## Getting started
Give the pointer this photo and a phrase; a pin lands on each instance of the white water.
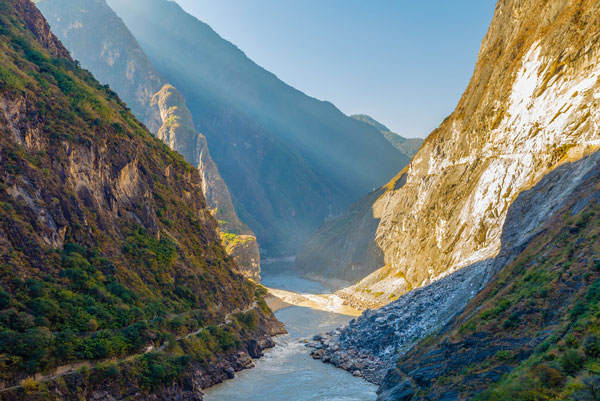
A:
(287, 372)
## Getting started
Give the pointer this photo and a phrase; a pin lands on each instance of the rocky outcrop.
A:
(373, 343)
(511, 340)
(178, 132)
(494, 177)
(39, 27)
(532, 104)
(98, 38)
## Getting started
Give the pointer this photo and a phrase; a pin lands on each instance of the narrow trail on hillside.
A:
(64, 370)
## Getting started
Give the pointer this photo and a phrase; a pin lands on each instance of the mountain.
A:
(290, 161)
(178, 132)
(407, 146)
(343, 248)
(490, 236)
(109, 250)
(532, 333)
(530, 106)
(99, 39)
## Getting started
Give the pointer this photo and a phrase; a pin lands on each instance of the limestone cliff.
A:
(532, 104)
(532, 332)
(97, 37)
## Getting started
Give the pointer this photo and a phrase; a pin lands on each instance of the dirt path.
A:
(65, 370)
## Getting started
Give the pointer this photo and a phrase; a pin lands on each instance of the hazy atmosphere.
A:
(405, 63)
(234, 200)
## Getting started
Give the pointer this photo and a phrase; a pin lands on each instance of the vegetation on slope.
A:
(99, 39)
(106, 241)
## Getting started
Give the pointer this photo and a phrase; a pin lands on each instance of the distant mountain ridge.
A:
(290, 161)
(407, 146)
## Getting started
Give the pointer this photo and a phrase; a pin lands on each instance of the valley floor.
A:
(288, 368)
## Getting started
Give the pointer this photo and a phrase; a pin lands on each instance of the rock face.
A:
(373, 343)
(532, 325)
(99, 39)
(178, 132)
(109, 249)
(531, 105)
(290, 161)
(499, 209)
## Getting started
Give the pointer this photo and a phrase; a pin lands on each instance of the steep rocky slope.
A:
(532, 333)
(178, 132)
(407, 146)
(531, 104)
(99, 39)
(513, 177)
(108, 247)
(290, 160)
(372, 344)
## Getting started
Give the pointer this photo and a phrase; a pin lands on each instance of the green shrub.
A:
(591, 345)
(549, 376)
(571, 361)
(513, 320)
(5, 299)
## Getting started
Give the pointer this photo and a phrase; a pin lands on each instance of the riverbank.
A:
(288, 371)
(324, 302)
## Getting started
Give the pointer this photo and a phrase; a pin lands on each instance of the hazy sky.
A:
(404, 62)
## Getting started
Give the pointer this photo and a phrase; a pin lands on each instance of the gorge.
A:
(137, 264)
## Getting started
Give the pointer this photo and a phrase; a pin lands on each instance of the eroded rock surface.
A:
(99, 39)
(532, 104)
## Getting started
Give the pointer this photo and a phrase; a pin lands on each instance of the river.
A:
(287, 372)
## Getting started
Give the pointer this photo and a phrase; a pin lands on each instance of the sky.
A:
(404, 62)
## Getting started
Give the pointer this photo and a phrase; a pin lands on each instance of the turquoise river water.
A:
(287, 372)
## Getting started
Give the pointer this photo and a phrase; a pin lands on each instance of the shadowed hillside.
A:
(289, 160)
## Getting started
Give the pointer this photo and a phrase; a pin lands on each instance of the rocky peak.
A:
(37, 25)
(178, 132)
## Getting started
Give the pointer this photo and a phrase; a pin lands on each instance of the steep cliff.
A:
(290, 160)
(498, 210)
(109, 250)
(99, 39)
(532, 333)
(178, 132)
(532, 104)
(372, 344)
